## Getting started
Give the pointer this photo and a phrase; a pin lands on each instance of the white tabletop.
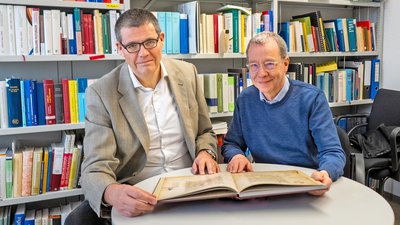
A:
(347, 202)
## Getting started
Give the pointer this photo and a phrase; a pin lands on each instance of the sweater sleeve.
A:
(234, 142)
(330, 153)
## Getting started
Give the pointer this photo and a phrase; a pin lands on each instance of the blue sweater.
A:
(298, 130)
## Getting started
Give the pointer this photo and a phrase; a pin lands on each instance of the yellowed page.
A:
(286, 178)
(183, 186)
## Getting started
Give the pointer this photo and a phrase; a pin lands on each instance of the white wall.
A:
(391, 46)
(390, 61)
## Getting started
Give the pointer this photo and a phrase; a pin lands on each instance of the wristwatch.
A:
(211, 153)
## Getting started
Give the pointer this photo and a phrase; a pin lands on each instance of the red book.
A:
(85, 33)
(91, 34)
(49, 105)
(215, 22)
(58, 156)
(65, 91)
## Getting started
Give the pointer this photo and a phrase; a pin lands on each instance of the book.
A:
(234, 185)
(50, 111)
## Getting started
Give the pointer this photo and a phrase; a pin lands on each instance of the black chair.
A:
(385, 110)
(344, 141)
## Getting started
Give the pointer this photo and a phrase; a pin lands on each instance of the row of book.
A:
(310, 33)
(351, 80)
(47, 216)
(28, 169)
(222, 89)
(26, 103)
(34, 31)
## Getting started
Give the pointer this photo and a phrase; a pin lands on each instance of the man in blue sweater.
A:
(282, 121)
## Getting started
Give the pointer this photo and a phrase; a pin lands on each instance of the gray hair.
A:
(264, 37)
(135, 18)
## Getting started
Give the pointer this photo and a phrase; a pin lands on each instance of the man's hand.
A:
(324, 178)
(203, 161)
(129, 200)
(238, 164)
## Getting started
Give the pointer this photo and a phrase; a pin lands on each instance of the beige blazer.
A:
(117, 140)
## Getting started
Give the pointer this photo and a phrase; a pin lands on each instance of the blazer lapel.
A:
(178, 89)
(130, 107)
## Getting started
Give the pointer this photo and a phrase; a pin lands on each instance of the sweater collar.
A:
(282, 93)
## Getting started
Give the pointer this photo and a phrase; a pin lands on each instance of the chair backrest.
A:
(344, 141)
(385, 109)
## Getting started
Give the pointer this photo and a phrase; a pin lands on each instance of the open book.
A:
(234, 185)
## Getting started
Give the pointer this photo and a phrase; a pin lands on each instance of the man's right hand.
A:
(129, 200)
(239, 163)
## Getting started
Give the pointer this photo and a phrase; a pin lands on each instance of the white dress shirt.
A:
(168, 150)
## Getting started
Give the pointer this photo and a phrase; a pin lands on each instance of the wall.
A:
(390, 68)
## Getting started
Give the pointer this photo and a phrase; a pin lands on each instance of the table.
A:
(347, 202)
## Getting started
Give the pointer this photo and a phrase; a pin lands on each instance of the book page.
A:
(181, 186)
(286, 178)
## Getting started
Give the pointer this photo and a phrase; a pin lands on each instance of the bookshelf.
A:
(56, 67)
(283, 11)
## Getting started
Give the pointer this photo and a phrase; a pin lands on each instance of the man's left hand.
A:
(203, 161)
(324, 178)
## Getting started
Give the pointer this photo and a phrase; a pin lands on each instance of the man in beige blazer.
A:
(146, 117)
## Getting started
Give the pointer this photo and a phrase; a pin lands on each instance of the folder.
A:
(375, 75)
(367, 79)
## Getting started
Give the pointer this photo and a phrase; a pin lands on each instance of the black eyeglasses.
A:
(135, 47)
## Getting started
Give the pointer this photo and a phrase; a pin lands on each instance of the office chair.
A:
(385, 110)
(344, 141)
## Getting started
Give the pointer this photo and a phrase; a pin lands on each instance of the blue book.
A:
(339, 34)
(30, 217)
(19, 216)
(27, 102)
(82, 85)
(284, 32)
(271, 20)
(176, 31)
(184, 34)
(169, 32)
(23, 105)
(33, 99)
(40, 104)
(375, 76)
(349, 84)
(71, 35)
(351, 32)
(14, 96)
(161, 22)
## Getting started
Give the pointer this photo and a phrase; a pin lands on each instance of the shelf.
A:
(217, 115)
(332, 54)
(334, 2)
(354, 102)
(57, 58)
(39, 129)
(64, 4)
(43, 197)
(208, 56)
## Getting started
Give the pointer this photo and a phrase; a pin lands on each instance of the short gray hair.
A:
(135, 18)
(264, 37)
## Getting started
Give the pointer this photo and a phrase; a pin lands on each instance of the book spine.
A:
(40, 103)
(48, 86)
(73, 101)
(78, 31)
(14, 95)
(58, 103)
